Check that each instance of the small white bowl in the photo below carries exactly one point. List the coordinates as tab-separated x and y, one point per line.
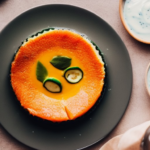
121	6
147	79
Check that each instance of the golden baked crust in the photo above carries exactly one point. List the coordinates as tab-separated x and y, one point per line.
75	99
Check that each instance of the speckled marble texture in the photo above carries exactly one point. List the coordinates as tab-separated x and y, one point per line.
138	110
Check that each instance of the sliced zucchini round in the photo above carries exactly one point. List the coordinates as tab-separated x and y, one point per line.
73	74
52	85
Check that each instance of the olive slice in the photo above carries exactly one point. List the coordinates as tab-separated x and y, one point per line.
52	85
73	74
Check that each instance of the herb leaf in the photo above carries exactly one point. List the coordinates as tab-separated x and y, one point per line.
41	72
61	62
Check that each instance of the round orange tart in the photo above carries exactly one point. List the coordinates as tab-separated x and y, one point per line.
57	75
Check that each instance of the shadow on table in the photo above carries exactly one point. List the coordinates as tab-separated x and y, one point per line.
2	1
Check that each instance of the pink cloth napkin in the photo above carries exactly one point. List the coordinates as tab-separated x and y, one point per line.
130	140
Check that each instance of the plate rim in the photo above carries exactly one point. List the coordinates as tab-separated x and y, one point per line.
76	7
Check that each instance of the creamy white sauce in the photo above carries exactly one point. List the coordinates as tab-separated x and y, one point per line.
137	17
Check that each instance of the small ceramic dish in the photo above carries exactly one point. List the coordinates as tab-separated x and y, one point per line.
121	8
147	78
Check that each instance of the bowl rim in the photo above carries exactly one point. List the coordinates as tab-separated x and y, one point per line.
124	23
146	74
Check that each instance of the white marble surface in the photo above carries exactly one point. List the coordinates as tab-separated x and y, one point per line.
138	110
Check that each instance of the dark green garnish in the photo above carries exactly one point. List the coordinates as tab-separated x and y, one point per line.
61	62
41	72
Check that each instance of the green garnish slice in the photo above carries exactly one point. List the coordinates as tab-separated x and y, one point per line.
73	74
61	62
52	85
41	72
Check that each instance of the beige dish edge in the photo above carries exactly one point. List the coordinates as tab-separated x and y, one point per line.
121	4
146	78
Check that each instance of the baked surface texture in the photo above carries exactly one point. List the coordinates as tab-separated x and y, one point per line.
75	99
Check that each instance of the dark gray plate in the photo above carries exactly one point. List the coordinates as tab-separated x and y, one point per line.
111	109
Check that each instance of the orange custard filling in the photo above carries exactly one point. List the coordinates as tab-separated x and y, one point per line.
75	99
